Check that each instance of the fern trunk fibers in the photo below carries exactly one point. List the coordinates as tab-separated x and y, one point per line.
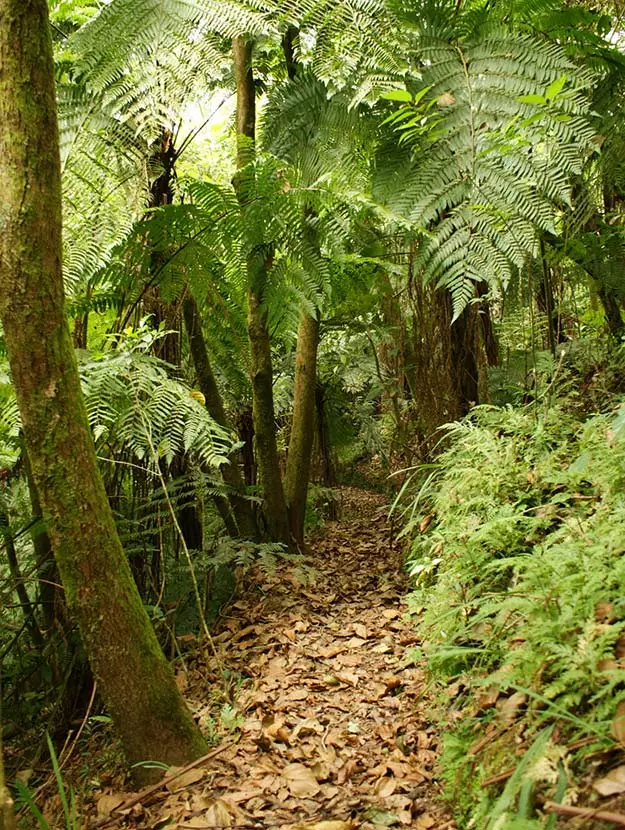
258	264
302	428
134	678
241	507
464	361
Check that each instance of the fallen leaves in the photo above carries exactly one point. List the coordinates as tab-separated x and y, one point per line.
331	734
612	783
300	780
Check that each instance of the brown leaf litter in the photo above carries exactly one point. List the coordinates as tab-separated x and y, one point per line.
327	729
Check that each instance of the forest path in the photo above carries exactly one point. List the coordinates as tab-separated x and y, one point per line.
333	733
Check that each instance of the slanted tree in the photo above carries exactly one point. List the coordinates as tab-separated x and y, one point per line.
135	680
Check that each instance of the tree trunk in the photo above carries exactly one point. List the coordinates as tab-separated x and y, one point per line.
302	429
491	346
28	611
265	423
464	361
135	680
241	507
259	262
611	310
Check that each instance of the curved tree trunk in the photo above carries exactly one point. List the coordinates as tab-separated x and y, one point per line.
302	430
135	680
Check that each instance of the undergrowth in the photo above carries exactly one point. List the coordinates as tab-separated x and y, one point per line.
517	556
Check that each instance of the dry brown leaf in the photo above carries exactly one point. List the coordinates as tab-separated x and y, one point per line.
108	802
322	825
618	724
300	780
361	631
424	822
386	787
347	677
308	726
612	783
186	779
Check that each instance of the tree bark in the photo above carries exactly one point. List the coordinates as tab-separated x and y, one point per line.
135	680
464	361
241	507
259	262
302	428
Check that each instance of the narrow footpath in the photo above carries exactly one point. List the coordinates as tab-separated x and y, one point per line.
330	727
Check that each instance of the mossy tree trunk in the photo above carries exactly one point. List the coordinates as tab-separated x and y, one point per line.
259	262
302	428
135	680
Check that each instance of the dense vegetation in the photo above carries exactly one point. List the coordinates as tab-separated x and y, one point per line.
303	245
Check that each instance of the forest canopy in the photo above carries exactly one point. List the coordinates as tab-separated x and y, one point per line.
261	260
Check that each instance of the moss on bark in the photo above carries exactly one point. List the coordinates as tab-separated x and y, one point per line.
135	680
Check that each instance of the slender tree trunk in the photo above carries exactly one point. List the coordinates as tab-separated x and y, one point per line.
241	507
259	262
265	423
464	361
30	620
51	597
302	429
299	459
135	680
491	346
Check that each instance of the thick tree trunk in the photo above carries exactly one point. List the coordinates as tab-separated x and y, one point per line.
464	361
611	310
135	680
259	261
241	507
302	428
491	346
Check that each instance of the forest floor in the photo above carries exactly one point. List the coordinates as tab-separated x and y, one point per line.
327	724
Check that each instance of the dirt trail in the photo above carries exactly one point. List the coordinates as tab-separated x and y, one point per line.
332	725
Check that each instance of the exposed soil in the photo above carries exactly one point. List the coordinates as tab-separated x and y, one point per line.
329	729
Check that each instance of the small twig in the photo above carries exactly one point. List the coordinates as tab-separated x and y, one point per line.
497	779
586	812
154	788
63	762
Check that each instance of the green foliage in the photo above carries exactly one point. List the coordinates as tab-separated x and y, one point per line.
518	579
71	819
133	405
496	126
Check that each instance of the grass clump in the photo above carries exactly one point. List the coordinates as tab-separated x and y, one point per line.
517	555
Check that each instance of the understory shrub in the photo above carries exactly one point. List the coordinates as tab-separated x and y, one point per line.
517	555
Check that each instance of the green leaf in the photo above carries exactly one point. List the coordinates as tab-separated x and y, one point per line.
397	95
539	100
555	88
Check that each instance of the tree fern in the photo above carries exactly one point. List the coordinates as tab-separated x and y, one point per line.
499	127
